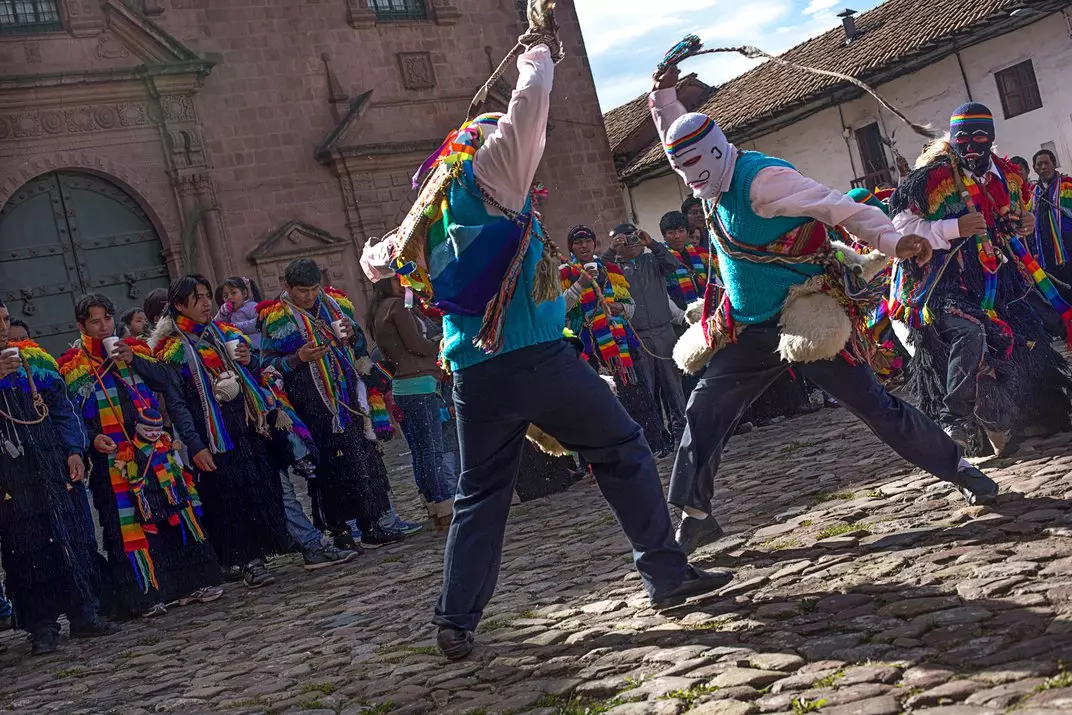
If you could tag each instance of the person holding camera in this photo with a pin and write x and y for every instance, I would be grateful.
(646, 264)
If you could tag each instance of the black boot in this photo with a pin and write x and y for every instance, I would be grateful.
(694, 533)
(455, 643)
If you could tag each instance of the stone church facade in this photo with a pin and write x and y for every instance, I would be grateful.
(140, 139)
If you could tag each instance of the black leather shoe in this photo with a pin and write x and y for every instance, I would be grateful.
(45, 641)
(696, 583)
(977, 488)
(694, 533)
(454, 643)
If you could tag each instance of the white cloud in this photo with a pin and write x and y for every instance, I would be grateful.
(627, 38)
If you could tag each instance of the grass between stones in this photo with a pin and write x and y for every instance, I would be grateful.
(839, 529)
(689, 696)
(1061, 680)
(322, 688)
(832, 496)
(828, 681)
(574, 704)
(803, 705)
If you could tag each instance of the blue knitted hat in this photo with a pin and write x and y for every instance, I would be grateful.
(971, 117)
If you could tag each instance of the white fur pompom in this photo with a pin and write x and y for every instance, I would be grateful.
(691, 351)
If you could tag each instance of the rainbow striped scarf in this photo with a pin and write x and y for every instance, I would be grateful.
(41, 366)
(287, 327)
(198, 349)
(1048, 205)
(690, 280)
(1044, 284)
(605, 336)
(87, 373)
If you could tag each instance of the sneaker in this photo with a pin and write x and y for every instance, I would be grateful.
(208, 594)
(345, 542)
(257, 575)
(45, 641)
(693, 533)
(156, 610)
(304, 468)
(378, 537)
(233, 573)
(1001, 441)
(406, 527)
(93, 628)
(696, 583)
(326, 556)
(977, 488)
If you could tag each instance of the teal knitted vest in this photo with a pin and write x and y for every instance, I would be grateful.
(527, 323)
(756, 290)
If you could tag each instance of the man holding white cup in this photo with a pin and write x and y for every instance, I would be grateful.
(310, 337)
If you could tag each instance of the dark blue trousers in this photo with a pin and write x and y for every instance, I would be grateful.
(550, 386)
(742, 371)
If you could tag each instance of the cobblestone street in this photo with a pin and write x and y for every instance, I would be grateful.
(862, 587)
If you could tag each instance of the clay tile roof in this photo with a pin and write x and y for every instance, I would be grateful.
(622, 121)
(896, 37)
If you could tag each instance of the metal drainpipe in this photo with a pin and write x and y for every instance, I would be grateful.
(848, 146)
(964, 76)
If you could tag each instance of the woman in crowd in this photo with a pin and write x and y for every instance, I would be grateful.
(416, 387)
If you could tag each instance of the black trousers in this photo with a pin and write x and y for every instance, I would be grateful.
(739, 373)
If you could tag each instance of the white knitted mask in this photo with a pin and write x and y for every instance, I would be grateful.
(700, 154)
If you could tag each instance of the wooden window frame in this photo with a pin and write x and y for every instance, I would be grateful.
(35, 28)
(1018, 89)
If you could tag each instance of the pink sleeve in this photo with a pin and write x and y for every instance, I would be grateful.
(937, 233)
(506, 164)
(665, 109)
(781, 191)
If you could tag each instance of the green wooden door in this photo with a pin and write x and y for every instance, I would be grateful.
(65, 234)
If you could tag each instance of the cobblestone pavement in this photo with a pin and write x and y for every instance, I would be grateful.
(863, 587)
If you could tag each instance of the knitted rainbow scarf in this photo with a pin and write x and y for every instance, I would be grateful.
(994, 200)
(198, 349)
(601, 332)
(87, 373)
(1045, 285)
(1048, 204)
(287, 327)
(690, 280)
(40, 364)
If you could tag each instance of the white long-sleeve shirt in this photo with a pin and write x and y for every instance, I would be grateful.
(940, 234)
(781, 191)
(506, 164)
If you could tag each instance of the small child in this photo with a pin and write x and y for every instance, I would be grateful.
(133, 323)
(239, 308)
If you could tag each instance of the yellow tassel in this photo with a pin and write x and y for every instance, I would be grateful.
(546, 284)
(283, 421)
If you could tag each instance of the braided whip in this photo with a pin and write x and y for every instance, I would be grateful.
(543, 30)
(692, 46)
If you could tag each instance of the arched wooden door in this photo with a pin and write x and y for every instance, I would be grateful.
(68, 233)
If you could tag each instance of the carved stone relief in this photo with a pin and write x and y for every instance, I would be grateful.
(417, 70)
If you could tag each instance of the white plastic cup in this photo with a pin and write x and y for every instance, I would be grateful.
(591, 267)
(10, 353)
(232, 348)
(110, 345)
(340, 328)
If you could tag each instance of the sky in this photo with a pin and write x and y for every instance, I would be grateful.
(625, 39)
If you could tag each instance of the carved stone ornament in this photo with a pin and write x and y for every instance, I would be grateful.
(91, 118)
(109, 48)
(417, 70)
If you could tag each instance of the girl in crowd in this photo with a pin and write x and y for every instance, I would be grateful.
(240, 296)
(133, 323)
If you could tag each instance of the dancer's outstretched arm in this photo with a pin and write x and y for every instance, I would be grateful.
(506, 164)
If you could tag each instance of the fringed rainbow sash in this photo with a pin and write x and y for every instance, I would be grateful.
(1050, 205)
(1045, 285)
(689, 282)
(603, 333)
(88, 374)
(287, 327)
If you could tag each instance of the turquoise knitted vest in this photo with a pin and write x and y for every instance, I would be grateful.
(527, 323)
(757, 290)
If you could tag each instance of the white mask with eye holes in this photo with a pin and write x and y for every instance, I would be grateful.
(699, 153)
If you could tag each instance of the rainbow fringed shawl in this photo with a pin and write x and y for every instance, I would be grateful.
(999, 200)
(1050, 206)
(95, 384)
(41, 365)
(200, 353)
(688, 283)
(286, 327)
(450, 251)
(605, 336)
